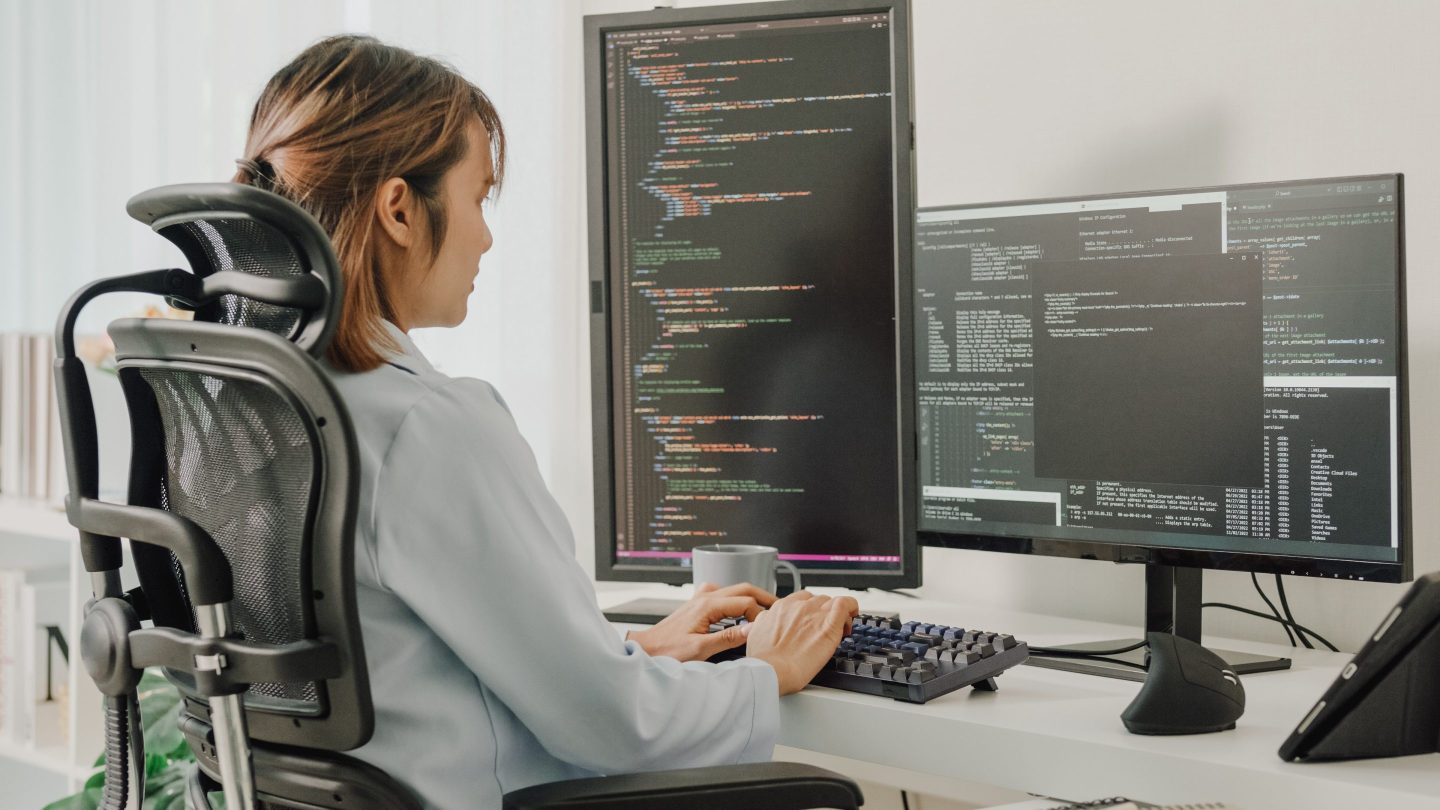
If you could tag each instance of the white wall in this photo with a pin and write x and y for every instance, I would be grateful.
(1041, 98)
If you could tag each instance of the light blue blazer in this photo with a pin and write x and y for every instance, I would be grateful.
(490, 664)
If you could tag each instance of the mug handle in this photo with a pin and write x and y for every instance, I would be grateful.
(792, 570)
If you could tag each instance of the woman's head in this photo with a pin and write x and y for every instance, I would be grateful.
(392, 153)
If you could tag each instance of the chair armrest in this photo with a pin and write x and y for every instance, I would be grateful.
(761, 786)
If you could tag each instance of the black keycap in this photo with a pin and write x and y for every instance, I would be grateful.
(985, 650)
(966, 657)
(1006, 642)
(884, 673)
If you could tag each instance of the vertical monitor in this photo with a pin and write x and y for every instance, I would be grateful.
(1211, 377)
(751, 228)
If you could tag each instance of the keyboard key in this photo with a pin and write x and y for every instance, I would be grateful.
(918, 676)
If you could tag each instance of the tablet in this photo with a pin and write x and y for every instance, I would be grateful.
(1386, 702)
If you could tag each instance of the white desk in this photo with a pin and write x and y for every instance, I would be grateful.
(1059, 733)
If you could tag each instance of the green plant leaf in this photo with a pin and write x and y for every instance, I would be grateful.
(167, 791)
(216, 799)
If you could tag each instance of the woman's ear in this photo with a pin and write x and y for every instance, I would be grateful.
(395, 209)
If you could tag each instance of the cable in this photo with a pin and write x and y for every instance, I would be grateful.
(1258, 614)
(1277, 617)
(1061, 652)
(1285, 605)
(905, 800)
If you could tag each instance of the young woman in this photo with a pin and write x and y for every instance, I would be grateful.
(490, 664)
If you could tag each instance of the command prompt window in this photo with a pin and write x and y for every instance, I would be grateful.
(1149, 370)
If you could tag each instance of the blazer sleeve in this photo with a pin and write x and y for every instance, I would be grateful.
(469, 537)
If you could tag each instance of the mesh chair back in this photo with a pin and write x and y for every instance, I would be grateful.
(224, 439)
(240, 463)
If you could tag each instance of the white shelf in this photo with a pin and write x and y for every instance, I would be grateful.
(36, 535)
(34, 519)
(54, 759)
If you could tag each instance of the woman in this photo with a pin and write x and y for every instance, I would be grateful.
(491, 666)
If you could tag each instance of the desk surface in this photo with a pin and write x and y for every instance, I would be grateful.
(1059, 733)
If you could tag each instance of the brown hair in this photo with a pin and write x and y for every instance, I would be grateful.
(346, 115)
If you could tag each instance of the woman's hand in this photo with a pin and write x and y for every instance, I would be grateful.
(685, 634)
(798, 635)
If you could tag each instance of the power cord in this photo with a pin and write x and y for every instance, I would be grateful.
(1267, 616)
(1061, 652)
(904, 800)
(1285, 605)
(1284, 622)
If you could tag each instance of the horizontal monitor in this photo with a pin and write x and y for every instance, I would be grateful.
(751, 233)
(1211, 377)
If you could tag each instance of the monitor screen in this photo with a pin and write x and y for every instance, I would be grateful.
(750, 222)
(1216, 372)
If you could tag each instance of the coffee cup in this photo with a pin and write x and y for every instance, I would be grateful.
(731, 564)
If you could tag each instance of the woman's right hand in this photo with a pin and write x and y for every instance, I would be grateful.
(798, 635)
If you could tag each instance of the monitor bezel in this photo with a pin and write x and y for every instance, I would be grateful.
(1327, 567)
(607, 565)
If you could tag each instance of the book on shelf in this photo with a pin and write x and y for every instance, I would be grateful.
(33, 674)
(32, 458)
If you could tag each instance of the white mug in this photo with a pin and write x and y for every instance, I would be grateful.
(728, 564)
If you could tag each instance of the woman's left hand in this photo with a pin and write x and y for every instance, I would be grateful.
(685, 634)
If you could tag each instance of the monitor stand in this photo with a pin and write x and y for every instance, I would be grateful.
(1172, 601)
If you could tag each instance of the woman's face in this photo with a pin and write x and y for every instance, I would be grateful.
(439, 295)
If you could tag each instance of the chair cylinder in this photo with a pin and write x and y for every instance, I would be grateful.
(227, 717)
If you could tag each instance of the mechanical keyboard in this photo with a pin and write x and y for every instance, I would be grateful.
(910, 661)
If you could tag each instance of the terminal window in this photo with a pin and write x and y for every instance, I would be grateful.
(1211, 369)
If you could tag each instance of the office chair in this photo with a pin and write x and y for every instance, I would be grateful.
(240, 513)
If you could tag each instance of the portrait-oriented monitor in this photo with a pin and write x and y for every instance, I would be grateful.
(1211, 378)
(751, 227)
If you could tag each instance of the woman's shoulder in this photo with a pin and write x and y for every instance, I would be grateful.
(382, 400)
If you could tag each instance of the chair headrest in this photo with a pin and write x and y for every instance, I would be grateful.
(270, 257)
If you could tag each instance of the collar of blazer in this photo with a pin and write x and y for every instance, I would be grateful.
(409, 357)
